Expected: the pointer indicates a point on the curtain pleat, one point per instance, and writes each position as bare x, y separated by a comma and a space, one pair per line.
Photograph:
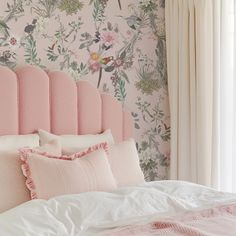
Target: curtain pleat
189, 61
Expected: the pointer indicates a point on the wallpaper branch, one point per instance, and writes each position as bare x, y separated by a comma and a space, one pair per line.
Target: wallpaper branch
117, 45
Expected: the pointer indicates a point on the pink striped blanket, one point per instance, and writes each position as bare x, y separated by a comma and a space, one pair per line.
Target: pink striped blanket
215, 221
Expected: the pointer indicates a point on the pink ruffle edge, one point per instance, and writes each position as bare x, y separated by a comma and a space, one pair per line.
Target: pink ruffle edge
94, 148
24, 152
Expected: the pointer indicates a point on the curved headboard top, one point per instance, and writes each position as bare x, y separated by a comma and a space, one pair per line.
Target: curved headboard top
31, 99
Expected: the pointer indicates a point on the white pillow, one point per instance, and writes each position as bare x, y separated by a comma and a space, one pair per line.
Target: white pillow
9, 142
74, 143
124, 161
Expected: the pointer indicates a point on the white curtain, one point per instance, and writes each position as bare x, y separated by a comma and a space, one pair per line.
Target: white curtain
189, 59
201, 77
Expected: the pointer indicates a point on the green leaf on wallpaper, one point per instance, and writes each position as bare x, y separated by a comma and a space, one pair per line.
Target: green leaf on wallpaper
31, 55
136, 125
149, 164
71, 6
99, 10
122, 55
9, 64
144, 145
124, 75
147, 85
85, 44
45, 8
109, 68
134, 114
14, 10
159, 129
109, 26
30, 50
163, 160
148, 7
166, 135
52, 56
120, 92
82, 66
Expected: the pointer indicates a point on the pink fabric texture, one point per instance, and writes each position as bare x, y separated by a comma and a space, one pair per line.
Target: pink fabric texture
86, 122
34, 105
112, 116
53, 176
32, 99
124, 161
8, 102
61, 106
215, 221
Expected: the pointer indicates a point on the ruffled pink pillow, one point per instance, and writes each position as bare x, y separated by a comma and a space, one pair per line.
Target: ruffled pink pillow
12, 182
52, 176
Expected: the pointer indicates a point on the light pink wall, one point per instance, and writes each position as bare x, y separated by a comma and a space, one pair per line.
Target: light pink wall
122, 50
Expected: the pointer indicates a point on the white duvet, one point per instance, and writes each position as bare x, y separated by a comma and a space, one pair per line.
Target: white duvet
95, 212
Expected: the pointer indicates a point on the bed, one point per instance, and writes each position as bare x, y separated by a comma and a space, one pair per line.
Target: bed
31, 99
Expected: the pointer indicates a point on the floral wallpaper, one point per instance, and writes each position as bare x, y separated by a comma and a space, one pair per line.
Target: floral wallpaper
118, 45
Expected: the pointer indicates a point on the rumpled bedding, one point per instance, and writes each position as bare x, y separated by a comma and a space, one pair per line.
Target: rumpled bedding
100, 213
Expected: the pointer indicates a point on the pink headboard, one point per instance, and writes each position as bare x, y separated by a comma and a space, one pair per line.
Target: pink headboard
31, 99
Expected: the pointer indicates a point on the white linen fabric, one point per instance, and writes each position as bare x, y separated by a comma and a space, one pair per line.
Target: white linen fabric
95, 212
189, 62
13, 142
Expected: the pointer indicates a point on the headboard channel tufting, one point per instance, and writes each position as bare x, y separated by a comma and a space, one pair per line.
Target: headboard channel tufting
31, 99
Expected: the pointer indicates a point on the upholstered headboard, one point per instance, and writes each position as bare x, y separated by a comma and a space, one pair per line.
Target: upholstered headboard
31, 99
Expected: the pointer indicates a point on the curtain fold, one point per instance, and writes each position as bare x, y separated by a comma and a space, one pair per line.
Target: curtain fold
189, 31
201, 60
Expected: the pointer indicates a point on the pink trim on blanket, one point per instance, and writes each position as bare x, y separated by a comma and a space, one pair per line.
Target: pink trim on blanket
219, 220
24, 154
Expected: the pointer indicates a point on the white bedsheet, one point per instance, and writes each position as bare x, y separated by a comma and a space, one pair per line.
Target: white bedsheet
95, 212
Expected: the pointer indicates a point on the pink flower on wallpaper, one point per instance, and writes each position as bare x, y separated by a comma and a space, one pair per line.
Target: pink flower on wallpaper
108, 37
14, 42
95, 62
118, 62
129, 33
95, 67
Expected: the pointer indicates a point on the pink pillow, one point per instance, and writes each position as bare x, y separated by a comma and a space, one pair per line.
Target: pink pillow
50, 177
124, 161
12, 183
13, 191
